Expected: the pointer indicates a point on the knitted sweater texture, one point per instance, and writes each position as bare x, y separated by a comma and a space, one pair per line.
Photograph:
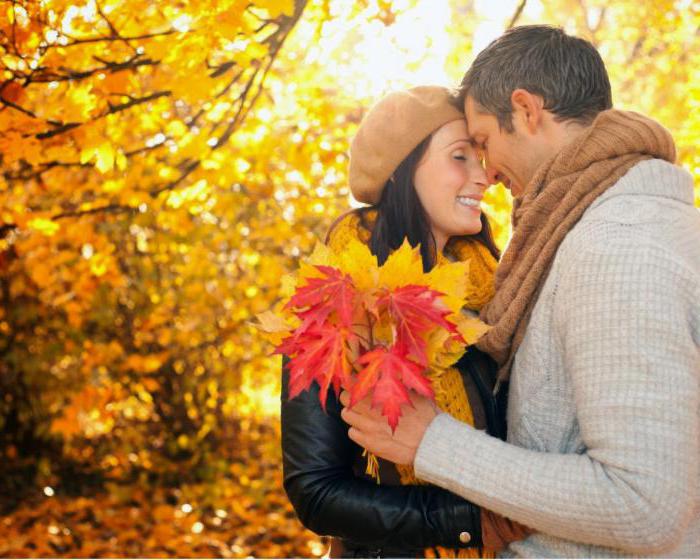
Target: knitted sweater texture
603, 450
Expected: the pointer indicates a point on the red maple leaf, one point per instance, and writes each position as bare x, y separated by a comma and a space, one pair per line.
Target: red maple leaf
416, 310
389, 373
321, 296
320, 354
11, 91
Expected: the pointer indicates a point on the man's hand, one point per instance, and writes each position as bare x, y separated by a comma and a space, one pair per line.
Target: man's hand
371, 430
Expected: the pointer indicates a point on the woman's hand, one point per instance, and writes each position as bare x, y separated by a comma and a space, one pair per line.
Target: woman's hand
369, 429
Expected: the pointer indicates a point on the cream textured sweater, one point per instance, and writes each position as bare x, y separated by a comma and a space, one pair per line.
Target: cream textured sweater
603, 450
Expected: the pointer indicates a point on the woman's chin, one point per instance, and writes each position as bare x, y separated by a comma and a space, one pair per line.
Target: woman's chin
472, 229
470, 225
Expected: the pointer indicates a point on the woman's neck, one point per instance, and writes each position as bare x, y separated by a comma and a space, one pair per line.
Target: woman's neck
440, 242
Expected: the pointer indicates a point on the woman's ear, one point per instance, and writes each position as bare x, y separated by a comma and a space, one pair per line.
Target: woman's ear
528, 109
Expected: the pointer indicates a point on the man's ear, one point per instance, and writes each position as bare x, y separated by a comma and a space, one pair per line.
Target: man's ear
528, 108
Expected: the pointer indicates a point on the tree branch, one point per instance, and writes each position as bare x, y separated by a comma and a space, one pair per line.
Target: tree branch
134, 101
109, 209
517, 14
86, 40
188, 170
112, 110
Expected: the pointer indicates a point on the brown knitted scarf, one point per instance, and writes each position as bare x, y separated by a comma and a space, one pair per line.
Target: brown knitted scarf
553, 202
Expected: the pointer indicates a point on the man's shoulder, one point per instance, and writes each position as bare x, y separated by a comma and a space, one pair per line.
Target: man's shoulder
650, 183
651, 205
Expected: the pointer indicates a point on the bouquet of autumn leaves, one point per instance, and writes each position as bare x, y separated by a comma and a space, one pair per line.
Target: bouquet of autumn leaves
372, 330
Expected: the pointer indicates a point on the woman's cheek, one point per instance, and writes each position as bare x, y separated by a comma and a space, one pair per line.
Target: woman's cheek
459, 176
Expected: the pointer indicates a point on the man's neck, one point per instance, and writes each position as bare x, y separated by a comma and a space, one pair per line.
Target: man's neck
563, 134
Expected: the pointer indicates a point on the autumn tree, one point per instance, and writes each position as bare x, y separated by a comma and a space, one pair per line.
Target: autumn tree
124, 202
162, 167
164, 164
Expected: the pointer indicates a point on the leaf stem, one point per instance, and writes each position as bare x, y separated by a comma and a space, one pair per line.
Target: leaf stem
371, 329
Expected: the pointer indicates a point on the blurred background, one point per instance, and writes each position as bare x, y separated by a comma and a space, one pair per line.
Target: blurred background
162, 165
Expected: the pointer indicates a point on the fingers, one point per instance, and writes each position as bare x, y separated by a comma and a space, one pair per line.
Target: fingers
383, 446
357, 436
369, 429
366, 422
377, 444
362, 406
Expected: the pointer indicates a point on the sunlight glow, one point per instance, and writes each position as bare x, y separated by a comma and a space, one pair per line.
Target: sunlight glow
370, 58
183, 23
260, 399
382, 58
496, 16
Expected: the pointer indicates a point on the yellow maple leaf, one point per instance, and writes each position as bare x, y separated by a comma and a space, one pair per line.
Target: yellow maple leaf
322, 255
288, 284
271, 322
471, 328
273, 326
403, 267
357, 260
451, 279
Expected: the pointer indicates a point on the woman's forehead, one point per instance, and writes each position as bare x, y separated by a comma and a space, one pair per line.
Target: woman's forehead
450, 133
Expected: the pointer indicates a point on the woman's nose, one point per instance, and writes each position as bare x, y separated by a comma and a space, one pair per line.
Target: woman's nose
480, 179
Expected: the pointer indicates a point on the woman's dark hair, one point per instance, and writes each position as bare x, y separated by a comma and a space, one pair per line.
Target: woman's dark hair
400, 215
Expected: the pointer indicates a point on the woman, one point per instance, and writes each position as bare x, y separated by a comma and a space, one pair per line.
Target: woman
412, 161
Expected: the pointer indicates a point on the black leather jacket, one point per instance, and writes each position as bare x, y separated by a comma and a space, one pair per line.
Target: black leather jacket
325, 481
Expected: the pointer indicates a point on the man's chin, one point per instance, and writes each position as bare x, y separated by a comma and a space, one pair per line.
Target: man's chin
514, 188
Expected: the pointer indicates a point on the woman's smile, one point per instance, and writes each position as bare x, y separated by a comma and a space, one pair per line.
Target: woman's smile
470, 202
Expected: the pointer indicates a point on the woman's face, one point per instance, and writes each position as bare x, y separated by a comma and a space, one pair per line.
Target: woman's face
450, 181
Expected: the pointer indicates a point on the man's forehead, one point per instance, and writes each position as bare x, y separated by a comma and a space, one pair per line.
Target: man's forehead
474, 116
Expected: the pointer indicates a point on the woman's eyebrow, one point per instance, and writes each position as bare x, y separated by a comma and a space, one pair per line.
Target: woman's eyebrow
467, 140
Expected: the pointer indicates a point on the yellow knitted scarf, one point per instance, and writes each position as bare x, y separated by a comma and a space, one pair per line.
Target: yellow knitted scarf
450, 394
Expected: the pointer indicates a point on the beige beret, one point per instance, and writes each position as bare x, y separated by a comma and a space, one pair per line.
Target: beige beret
390, 131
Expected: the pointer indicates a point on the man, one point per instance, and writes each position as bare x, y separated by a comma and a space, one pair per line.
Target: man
595, 321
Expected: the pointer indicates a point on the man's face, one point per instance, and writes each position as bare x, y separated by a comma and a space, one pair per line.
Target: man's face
504, 152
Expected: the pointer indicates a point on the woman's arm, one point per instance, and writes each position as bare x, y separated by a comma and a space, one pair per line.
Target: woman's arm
330, 500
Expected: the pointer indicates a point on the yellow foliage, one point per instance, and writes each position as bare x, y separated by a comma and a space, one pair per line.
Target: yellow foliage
42, 225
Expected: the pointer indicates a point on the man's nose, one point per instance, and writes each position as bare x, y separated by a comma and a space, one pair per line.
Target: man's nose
493, 176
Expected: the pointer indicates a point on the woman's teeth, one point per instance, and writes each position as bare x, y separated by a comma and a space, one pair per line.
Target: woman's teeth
466, 201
